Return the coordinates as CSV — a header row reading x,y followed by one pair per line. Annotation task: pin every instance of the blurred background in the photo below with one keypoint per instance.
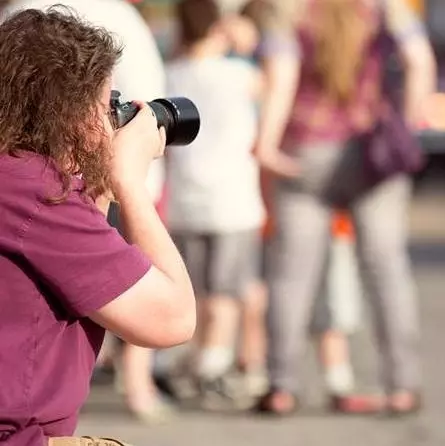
x,y
208,393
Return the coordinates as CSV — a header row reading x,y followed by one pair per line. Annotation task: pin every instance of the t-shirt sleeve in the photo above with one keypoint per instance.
x,y
279,36
275,42
402,21
78,257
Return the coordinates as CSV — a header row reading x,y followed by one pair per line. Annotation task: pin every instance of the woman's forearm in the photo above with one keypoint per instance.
x,y
281,77
420,82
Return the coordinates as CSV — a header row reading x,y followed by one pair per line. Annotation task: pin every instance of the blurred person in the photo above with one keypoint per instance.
x,y
140,74
326,327
244,36
214,209
66,275
337,314
323,74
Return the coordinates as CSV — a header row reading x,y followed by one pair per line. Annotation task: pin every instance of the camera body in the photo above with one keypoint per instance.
x,y
179,116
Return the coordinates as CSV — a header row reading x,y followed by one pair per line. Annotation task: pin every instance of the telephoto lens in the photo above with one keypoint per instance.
x,y
179,117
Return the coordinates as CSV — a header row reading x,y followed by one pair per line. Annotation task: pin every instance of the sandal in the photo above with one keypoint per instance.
x,y
154,412
278,403
356,404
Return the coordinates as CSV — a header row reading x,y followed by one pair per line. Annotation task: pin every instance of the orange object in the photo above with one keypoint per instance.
x,y
266,193
342,226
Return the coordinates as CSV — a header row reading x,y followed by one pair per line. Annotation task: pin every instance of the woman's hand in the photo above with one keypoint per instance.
x,y
281,74
134,147
277,163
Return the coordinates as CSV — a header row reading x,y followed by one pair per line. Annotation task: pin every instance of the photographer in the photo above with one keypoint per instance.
x,y
139,74
65,275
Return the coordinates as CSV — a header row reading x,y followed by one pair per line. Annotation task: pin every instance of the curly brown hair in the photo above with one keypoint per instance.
x,y
53,69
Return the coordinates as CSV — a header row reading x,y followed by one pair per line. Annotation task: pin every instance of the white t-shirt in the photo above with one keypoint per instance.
x,y
213,183
140,72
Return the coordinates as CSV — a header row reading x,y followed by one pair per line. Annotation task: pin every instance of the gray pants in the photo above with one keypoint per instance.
x,y
332,176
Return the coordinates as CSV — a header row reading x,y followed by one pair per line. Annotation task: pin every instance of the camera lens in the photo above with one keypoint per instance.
x,y
180,117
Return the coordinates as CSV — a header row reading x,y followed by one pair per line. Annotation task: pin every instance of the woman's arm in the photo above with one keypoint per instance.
x,y
417,55
421,77
281,73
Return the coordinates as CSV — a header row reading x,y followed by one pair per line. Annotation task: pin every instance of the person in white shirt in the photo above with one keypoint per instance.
x,y
214,206
139,75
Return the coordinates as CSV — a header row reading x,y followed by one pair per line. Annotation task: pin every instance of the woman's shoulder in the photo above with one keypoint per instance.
x,y
24,164
31,173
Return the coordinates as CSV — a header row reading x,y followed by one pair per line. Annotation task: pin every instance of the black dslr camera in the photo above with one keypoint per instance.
x,y
179,117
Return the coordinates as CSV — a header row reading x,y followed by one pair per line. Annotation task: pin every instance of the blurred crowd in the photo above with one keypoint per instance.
x,y
272,209
282,229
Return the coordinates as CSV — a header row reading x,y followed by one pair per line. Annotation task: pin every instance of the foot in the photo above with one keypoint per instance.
x,y
278,402
183,388
256,382
152,410
404,403
218,394
356,404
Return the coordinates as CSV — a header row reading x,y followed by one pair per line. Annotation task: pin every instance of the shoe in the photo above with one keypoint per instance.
x,y
158,411
278,403
357,404
219,394
256,383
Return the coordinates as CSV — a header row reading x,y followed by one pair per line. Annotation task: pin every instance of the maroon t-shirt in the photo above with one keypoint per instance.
x,y
58,264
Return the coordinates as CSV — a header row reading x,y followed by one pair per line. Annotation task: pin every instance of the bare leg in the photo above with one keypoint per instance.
x,y
142,396
107,352
335,360
253,345
252,353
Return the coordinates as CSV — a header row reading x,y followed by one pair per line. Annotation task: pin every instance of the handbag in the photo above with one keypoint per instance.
x,y
390,147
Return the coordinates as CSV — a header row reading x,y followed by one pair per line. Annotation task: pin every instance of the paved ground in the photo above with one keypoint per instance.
x,y
105,415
